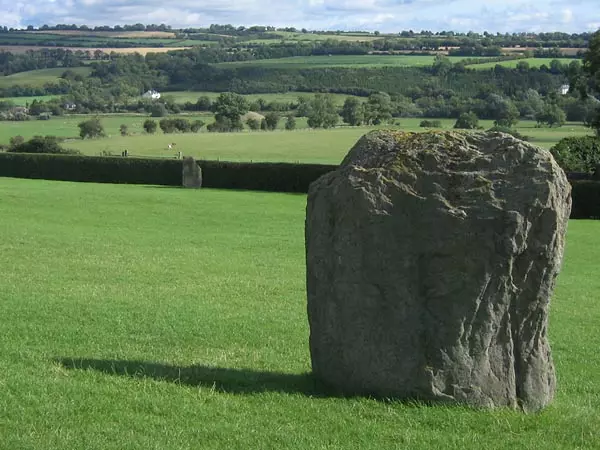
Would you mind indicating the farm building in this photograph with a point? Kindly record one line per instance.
(152, 94)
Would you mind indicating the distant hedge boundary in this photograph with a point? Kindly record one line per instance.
(95, 169)
(272, 177)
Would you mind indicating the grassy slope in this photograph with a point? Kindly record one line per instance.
(306, 62)
(533, 62)
(38, 78)
(22, 101)
(187, 280)
(287, 97)
(306, 145)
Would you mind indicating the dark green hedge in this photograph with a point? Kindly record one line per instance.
(97, 169)
(274, 177)
(586, 199)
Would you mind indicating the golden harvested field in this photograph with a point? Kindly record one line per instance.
(140, 50)
(115, 34)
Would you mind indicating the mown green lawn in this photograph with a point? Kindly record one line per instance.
(140, 317)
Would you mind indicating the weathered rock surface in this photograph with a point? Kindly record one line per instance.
(431, 261)
(192, 174)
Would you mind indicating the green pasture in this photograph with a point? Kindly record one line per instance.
(141, 317)
(66, 126)
(308, 62)
(512, 64)
(23, 101)
(285, 97)
(305, 145)
(37, 78)
(311, 37)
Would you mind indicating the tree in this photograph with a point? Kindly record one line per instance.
(167, 126)
(123, 129)
(578, 154)
(551, 115)
(253, 123)
(204, 103)
(430, 124)
(150, 126)
(467, 121)
(39, 144)
(290, 123)
(502, 110)
(378, 108)
(158, 110)
(591, 66)
(272, 120)
(228, 109)
(196, 125)
(15, 141)
(323, 112)
(353, 112)
(91, 128)
(181, 125)
(531, 104)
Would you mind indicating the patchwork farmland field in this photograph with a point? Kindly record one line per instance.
(307, 62)
(37, 78)
(125, 50)
(287, 97)
(511, 64)
(138, 317)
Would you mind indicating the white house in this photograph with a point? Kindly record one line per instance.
(152, 94)
(564, 89)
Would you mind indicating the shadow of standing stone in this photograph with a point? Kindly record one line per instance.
(192, 174)
(431, 261)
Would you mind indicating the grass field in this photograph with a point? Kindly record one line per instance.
(22, 101)
(533, 62)
(307, 62)
(138, 317)
(110, 34)
(306, 145)
(140, 50)
(38, 78)
(287, 97)
(66, 126)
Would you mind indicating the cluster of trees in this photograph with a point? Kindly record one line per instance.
(39, 59)
(117, 28)
(37, 144)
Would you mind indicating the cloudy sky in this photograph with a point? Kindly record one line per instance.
(382, 15)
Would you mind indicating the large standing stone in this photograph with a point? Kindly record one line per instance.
(431, 260)
(192, 174)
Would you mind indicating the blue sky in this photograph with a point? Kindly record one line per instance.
(382, 15)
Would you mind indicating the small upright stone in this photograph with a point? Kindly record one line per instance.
(192, 174)
(431, 260)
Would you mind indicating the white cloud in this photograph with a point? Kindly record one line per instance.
(567, 16)
(385, 15)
